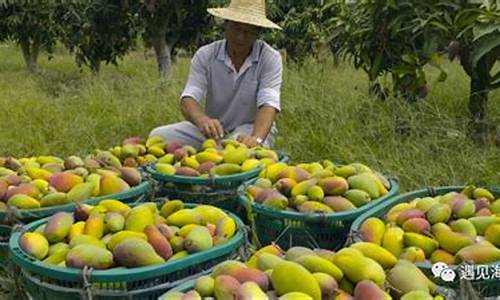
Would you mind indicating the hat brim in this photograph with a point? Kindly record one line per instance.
(237, 16)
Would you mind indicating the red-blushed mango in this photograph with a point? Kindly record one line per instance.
(366, 289)
(112, 185)
(27, 189)
(226, 287)
(372, 230)
(411, 213)
(23, 201)
(334, 185)
(158, 241)
(417, 225)
(64, 181)
(187, 171)
(136, 252)
(3, 188)
(293, 172)
(339, 203)
(90, 256)
(94, 225)
(58, 227)
(81, 191)
(34, 244)
(478, 254)
(327, 284)
(285, 185)
(131, 175)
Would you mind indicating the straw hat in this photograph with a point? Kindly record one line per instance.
(251, 12)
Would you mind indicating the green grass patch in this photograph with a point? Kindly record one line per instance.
(326, 114)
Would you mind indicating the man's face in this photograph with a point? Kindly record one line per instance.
(240, 36)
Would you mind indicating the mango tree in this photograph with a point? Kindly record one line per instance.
(388, 37)
(170, 25)
(472, 32)
(98, 31)
(31, 25)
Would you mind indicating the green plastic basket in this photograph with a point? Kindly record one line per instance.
(318, 230)
(220, 191)
(486, 288)
(48, 282)
(23, 216)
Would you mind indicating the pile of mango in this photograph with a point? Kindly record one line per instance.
(356, 273)
(317, 187)
(451, 228)
(138, 151)
(214, 158)
(112, 234)
(30, 183)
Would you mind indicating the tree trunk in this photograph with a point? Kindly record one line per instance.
(162, 51)
(478, 99)
(30, 54)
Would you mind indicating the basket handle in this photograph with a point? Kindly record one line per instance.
(312, 241)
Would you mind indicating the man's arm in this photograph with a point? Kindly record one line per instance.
(192, 111)
(192, 95)
(268, 101)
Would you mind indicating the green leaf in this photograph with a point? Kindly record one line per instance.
(484, 46)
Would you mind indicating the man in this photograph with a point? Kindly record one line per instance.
(240, 77)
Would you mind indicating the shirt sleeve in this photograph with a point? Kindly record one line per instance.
(270, 85)
(196, 86)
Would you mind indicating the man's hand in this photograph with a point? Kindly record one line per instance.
(210, 127)
(249, 140)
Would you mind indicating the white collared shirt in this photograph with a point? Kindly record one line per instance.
(233, 97)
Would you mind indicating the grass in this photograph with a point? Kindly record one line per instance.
(326, 114)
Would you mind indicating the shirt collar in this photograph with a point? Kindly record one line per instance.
(254, 54)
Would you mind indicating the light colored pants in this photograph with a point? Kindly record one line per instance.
(186, 133)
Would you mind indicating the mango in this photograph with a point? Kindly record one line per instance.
(383, 256)
(495, 207)
(285, 185)
(136, 252)
(170, 207)
(327, 284)
(177, 243)
(86, 239)
(442, 256)
(357, 268)
(296, 173)
(417, 295)
(310, 207)
(138, 218)
(56, 258)
(89, 255)
(357, 197)
(23, 201)
(34, 244)
(250, 290)
(64, 181)
(366, 289)
(226, 287)
(297, 251)
(204, 285)
(28, 189)
(225, 169)
(38, 173)
(338, 203)
(250, 164)
(76, 229)
(132, 176)
(481, 223)
(225, 228)
(210, 214)
(411, 213)
(116, 206)
(365, 183)
(199, 239)
(275, 200)
(301, 188)
(106, 158)
(251, 275)
(187, 171)
(438, 213)
(164, 168)
(58, 247)
(478, 254)
(114, 222)
(94, 225)
(424, 204)
(185, 216)
(295, 296)
(314, 264)
(81, 191)
(158, 241)
(58, 227)
(272, 171)
(315, 193)
(463, 208)
(292, 277)
(413, 254)
(482, 193)
(52, 199)
(492, 234)
(266, 261)
(204, 157)
(122, 236)
(463, 226)
(227, 267)
(334, 186)
(427, 244)
(406, 277)
(112, 185)
(345, 171)
(372, 230)
(417, 225)
(451, 241)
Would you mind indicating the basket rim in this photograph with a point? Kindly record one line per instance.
(318, 217)
(406, 197)
(240, 177)
(137, 190)
(121, 274)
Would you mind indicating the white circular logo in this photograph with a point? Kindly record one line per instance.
(448, 275)
(437, 268)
